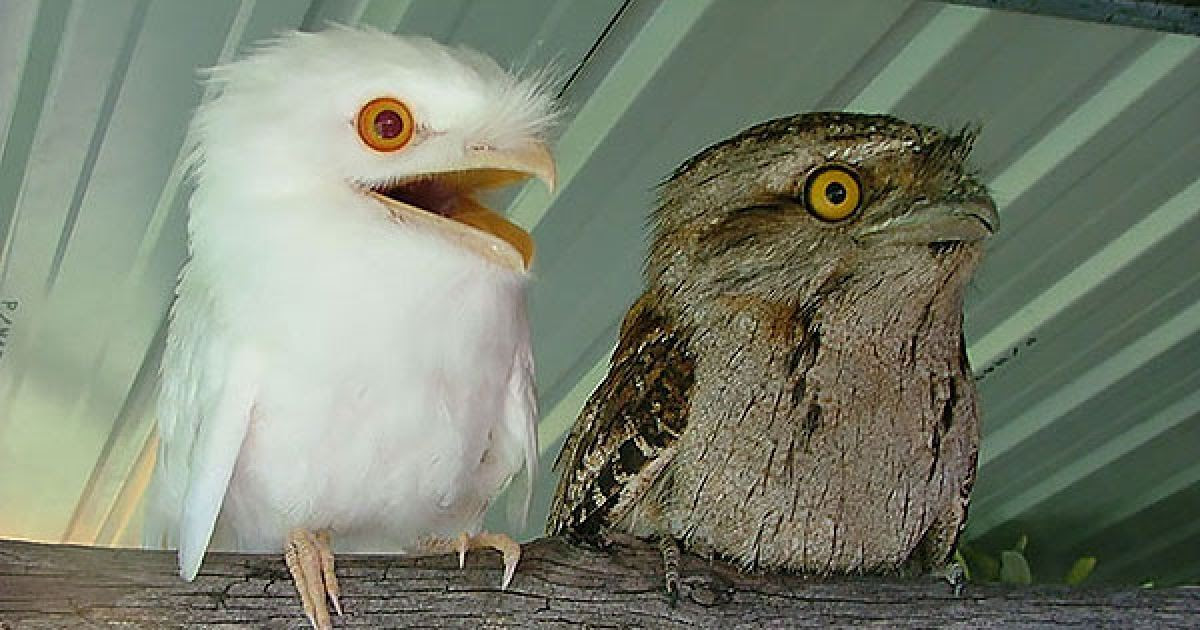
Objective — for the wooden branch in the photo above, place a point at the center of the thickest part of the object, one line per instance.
(557, 585)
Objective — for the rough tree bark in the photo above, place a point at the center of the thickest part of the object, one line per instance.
(557, 585)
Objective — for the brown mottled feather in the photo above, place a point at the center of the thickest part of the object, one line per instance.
(632, 419)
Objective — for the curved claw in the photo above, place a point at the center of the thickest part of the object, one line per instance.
(464, 542)
(325, 549)
(310, 561)
(508, 548)
(510, 566)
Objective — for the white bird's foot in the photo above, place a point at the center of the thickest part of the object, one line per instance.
(508, 548)
(310, 560)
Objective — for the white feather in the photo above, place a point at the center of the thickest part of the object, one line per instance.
(327, 366)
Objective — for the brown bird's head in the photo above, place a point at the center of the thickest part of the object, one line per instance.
(792, 205)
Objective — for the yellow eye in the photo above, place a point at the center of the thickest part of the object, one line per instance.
(832, 193)
(385, 124)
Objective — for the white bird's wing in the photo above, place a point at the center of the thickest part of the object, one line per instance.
(521, 415)
(209, 384)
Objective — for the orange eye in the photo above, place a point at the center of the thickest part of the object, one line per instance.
(385, 124)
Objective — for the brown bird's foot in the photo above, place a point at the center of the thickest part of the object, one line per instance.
(310, 559)
(508, 548)
(954, 573)
(670, 553)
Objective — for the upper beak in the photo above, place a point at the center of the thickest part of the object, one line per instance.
(532, 159)
(968, 221)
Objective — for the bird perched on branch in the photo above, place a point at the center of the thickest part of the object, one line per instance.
(792, 389)
(348, 360)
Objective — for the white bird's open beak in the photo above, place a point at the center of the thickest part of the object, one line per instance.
(446, 201)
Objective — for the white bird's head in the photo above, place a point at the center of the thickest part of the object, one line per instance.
(417, 128)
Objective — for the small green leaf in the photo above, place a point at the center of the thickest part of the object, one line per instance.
(983, 568)
(1080, 570)
(1014, 569)
(1022, 543)
(962, 562)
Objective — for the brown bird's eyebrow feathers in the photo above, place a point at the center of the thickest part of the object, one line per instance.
(826, 126)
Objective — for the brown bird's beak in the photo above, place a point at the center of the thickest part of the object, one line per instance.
(446, 201)
(946, 221)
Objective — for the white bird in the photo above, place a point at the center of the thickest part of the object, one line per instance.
(348, 357)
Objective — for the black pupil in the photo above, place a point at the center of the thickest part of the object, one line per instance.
(835, 192)
(389, 124)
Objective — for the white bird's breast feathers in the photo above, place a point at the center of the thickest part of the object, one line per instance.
(386, 365)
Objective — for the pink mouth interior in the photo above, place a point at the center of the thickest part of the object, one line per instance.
(432, 195)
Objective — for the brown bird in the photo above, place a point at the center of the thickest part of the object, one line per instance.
(792, 389)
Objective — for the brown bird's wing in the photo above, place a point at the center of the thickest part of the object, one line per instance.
(959, 448)
(625, 436)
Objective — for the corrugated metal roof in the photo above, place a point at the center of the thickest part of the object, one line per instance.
(1084, 323)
